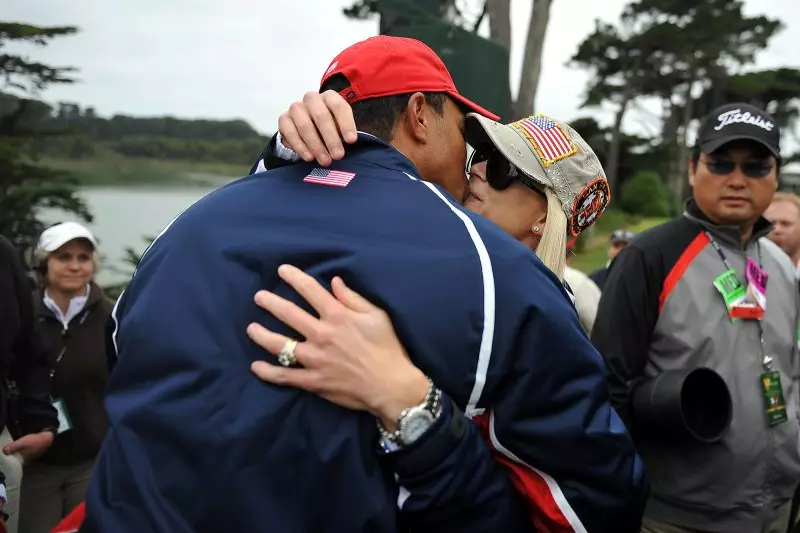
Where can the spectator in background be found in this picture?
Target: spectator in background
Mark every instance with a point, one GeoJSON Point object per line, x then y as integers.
{"type": "Point", "coordinates": [675, 301]}
{"type": "Point", "coordinates": [72, 311]}
{"type": "Point", "coordinates": [584, 290]}
{"type": "Point", "coordinates": [619, 240]}
{"type": "Point", "coordinates": [23, 363]}
{"type": "Point", "coordinates": [784, 213]}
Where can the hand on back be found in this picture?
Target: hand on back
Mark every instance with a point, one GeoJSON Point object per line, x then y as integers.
{"type": "Point", "coordinates": [315, 127]}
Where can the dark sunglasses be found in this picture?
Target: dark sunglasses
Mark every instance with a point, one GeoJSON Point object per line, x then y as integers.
{"type": "Point", "coordinates": [499, 171]}
{"type": "Point", "coordinates": [751, 169]}
{"type": "Point", "coordinates": [479, 155]}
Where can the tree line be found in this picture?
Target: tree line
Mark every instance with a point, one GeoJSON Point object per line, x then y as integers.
{"type": "Point", "coordinates": [79, 133]}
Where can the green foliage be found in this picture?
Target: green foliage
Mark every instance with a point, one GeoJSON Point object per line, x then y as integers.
{"type": "Point", "coordinates": [646, 195]}
{"type": "Point", "coordinates": [227, 151]}
{"type": "Point", "coordinates": [26, 186]}
{"type": "Point", "coordinates": [635, 152]}
{"type": "Point", "coordinates": [109, 168]}
{"type": "Point", "coordinates": [29, 76]}
{"type": "Point", "coordinates": [361, 9]}
{"type": "Point", "coordinates": [593, 253]}
{"type": "Point", "coordinates": [130, 259]}
{"type": "Point", "coordinates": [87, 143]}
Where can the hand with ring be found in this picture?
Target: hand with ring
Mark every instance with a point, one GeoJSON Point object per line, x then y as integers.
{"type": "Point", "coordinates": [351, 356]}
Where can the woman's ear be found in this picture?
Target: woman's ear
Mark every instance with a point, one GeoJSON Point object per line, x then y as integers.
{"type": "Point", "coordinates": [538, 226]}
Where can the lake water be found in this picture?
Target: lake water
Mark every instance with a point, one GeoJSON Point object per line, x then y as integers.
{"type": "Point", "coordinates": [124, 216]}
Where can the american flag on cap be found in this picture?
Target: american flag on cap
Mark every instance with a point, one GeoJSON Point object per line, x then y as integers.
{"type": "Point", "coordinates": [325, 176]}
{"type": "Point", "coordinates": [550, 141]}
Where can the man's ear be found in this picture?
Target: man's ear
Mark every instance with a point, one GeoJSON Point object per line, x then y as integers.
{"type": "Point", "coordinates": [417, 118]}
{"type": "Point", "coordinates": [692, 170]}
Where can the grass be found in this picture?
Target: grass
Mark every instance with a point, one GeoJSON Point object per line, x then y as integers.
{"type": "Point", "coordinates": [592, 249]}
{"type": "Point", "coordinates": [121, 170]}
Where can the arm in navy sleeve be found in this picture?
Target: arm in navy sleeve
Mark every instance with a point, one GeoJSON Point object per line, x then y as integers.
{"type": "Point", "coordinates": [275, 155]}
{"type": "Point", "coordinates": [626, 317]}
{"type": "Point", "coordinates": [450, 483]}
{"type": "Point", "coordinates": [550, 427]}
{"type": "Point", "coordinates": [552, 424]}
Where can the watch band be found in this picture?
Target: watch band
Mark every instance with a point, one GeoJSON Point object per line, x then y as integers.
{"type": "Point", "coordinates": [391, 440]}
{"type": "Point", "coordinates": [432, 450]}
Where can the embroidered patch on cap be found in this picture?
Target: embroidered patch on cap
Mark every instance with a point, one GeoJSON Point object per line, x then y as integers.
{"type": "Point", "coordinates": [549, 140]}
{"type": "Point", "coordinates": [589, 204]}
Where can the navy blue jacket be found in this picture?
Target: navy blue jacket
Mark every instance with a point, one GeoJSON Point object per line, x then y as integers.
{"type": "Point", "coordinates": [197, 443]}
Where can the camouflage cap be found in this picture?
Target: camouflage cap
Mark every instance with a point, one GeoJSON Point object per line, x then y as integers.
{"type": "Point", "coordinates": [551, 154]}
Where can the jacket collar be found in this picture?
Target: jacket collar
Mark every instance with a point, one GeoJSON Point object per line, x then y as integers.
{"type": "Point", "coordinates": [728, 234]}
{"type": "Point", "coordinates": [95, 295]}
{"type": "Point", "coordinates": [367, 147]}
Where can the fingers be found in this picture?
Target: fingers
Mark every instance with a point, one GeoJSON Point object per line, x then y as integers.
{"type": "Point", "coordinates": [350, 298]}
{"type": "Point", "coordinates": [271, 341]}
{"type": "Point", "coordinates": [310, 289]}
{"type": "Point", "coordinates": [301, 115]}
{"type": "Point", "coordinates": [285, 377]}
{"type": "Point", "coordinates": [325, 123]}
{"type": "Point", "coordinates": [343, 115]}
{"type": "Point", "coordinates": [12, 447]}
{"type": "Point", "coordinates": [287, 312]}
{"type": "Point", "coordinates": [290, 137]}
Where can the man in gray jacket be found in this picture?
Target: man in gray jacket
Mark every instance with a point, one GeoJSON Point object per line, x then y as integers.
{"type": "Point", "coordinates": [707, 290]}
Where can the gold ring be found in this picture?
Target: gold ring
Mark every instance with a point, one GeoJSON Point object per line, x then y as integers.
{"type": "Point", "coordinates": [286, 356]}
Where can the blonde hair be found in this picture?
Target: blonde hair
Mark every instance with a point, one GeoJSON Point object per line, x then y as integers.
{"type": "Point", "coordinates": [552, 246]}
{"type": "Point", "coordinates": [781, 196]}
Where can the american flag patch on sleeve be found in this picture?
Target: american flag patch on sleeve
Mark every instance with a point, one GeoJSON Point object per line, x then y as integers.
{"type": "Point", "coordinates": [325, 176]}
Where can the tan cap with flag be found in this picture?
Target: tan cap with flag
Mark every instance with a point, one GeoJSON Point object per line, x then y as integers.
{"type": "Point", "coordinates": [552, 155]}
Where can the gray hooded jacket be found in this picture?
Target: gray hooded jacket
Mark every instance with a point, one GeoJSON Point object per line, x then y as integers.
{"type": "Point", "coordinates": [661, 311]}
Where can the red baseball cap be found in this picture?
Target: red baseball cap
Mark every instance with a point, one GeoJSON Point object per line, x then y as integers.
{"type": "Point", "coordinates": [385, 66]}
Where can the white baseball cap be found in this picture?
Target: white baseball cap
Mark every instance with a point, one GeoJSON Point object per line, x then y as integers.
{"type": "Point", "coordinates": [58, 235]}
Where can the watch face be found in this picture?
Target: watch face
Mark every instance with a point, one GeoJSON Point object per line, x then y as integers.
{"type": "Point", "coordinates": [415, 424]}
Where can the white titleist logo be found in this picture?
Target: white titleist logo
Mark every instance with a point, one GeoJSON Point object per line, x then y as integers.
{"type": "Point", "coordinates": [736, 115]}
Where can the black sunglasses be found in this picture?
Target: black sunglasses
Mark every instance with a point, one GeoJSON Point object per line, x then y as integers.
{"type": "Point", "coordinates": [751, 169]}
{"type": "Point", "coordinates": [499, 171]}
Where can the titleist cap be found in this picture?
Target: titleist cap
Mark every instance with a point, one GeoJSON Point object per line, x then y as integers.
{"type": "Point", "coordinates": [735, 122]}
{"type": "Point", "coordinates": [386, 66]}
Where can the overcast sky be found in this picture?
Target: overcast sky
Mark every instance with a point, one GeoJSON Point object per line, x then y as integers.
{"type": "Point", "coordinates": [251, 58]}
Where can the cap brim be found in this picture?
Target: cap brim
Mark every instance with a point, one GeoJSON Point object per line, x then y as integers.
{"type": "Point", "coordinates": [58, 243]}
{"type": "Point", "coordinates": [712, 146]}
{"type": "Point", "coordinates": [481, 130]}
{"type": "Point", "coordinates": [472, 106]}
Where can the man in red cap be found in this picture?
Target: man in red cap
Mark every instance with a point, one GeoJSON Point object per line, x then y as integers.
{"type": "Point", "coordinates": [198, 443]}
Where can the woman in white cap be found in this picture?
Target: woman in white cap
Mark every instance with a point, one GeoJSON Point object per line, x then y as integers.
{"type": "Point", "coordinates": [72, 311]}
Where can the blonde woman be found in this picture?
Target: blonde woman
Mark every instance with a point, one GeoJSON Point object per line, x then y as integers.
{"type": "Point", "coordinates": [72, 311]}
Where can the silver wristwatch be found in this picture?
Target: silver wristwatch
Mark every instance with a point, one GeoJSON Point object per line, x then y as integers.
{"type": "Point", "coordinates": [414, 421]}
